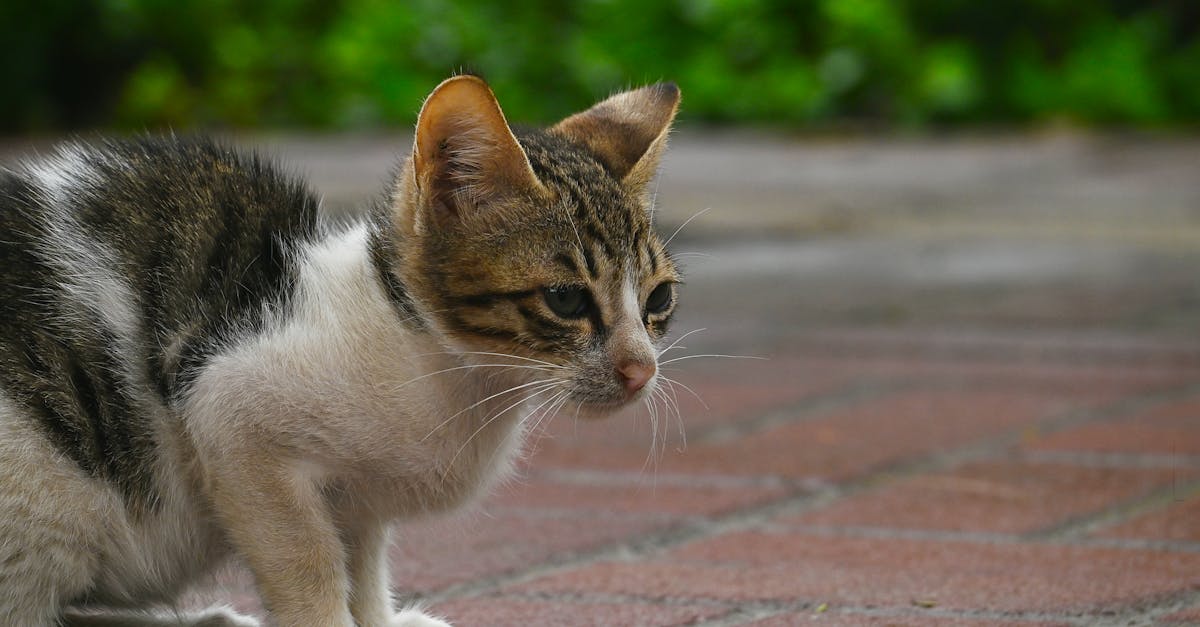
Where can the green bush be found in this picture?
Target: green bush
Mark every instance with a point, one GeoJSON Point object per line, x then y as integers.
{"type": "Point", "coordinates": [367, 63]}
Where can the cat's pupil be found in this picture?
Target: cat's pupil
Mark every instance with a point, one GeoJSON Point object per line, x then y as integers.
{"type": "Point", "coordinates": [659, 299]}
{"type": "Point", "coordinates": [568, 302]}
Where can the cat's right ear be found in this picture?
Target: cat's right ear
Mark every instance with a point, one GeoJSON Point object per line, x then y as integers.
{"type": "Point", "coordinates": [465, 154]}
{"type": "Point", "coordinates": [627, 132]}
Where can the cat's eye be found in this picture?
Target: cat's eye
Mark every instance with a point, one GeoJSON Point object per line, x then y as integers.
{"type": "Point", "coordinates": [568, 302]}
{"type": "Point", "coordinates": [660, 298]}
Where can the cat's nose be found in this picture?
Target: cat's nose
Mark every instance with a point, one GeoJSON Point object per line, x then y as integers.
{"type": "Point", "coordinates": [635, 375]}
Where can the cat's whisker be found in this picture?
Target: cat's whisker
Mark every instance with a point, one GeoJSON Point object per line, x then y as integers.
{"type": "Point", "coordinates": [496, 373]}
{"type": "Point", "coordinates": [679, 339]}
{"type": "Point", "coordinates": [678, 412]}
{"type": "Point", "coordinates": [674, 382]}
{"type": "Point", "coordinates": [662, 441]}
{"type": "Point", "coordinates": [550, 383]}
{"type": "Point", "coordinates": [493, 354]}
{"type": "Point", "coordinates": [685, 223]}
{"type": "Point", "coordinates": [671, 406]}
{"type": "Point", "coordinates": [562, 397]}
{"type": "Point", "coordinates": [550, 412]}
{"type": "Point", "coordinates": [492, 419]}
{"type": "Point", "coordinates": [692, 253]}
{"type": "Point", "coordinates": [653, 434]}
{"type": "Point", "coordinates": [675, 359]}
{"type": "Point", "coordinates": [466, 367]}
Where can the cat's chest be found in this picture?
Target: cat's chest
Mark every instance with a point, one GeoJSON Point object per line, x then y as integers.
{"type": "Point", "coordinates": [344, 384]}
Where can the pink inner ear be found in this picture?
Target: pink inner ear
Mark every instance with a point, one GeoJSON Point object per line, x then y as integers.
{"type": "Point", "coordinates": [465, 151]}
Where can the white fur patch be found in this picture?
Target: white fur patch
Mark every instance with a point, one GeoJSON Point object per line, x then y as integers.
{"type": "Point", "coordinates": [91, 268]}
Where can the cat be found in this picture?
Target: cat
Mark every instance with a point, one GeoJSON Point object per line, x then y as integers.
{"type": "Point", "coordinates": [195, 367]}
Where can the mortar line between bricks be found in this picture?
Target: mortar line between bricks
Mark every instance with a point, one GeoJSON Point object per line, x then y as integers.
{"type": "Point", "coordinates": [766, 608]}
{"type": "Point", "coordinates": [1114, 460]}
{"type": "Point", "coordinates": [985, 537]}
{"type": "Point", "coordinates": [1069, 419]}
{"type": "Point", "coordinates": [795, 501]}
{"type": "Point", "coordinates": [1083, 525]}
{"type": "Point", "coordinates": [615, 598]}
{"type": "Point", "coordinates": [1187, 599]}
{"type": "Point", "coordinates": [759, 611]}
{"type": "Point", "coordinates": [809, 408]}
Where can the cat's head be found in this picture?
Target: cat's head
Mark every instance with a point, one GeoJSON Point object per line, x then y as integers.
{"type": "Point", "coordinates": [540, 244]}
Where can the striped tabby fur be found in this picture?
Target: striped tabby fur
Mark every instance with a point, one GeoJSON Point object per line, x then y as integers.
{"type": "Point", "coordinates": [194, 367]}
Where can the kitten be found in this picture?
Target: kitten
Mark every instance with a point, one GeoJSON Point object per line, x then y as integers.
{"type": "Point", "coordinates": [193, 367]}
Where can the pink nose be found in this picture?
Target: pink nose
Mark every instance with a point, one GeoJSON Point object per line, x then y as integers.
{"type": "Point", "coordinates": [634, 376]}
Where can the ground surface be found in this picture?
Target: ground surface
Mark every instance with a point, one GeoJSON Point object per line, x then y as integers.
{"type": "Point", "coordinates": [980, 403]}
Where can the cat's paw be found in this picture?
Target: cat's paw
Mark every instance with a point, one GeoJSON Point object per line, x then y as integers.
{"type": "Point", "coordinates": [415, 618]}
{"type": "Point", "coordinates": [224, 617]}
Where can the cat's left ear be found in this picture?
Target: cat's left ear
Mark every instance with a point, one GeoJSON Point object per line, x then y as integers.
{"type": "Point", "coordinates": [464, 154]}
{"type": "Point", "coordinates": [628, 131]}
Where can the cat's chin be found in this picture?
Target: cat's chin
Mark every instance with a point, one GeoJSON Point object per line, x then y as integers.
{"type": "Point", "coordinates": [599, 410]}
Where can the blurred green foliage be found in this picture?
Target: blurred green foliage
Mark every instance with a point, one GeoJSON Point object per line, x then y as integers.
{"type": "Point", "coordinates": [366, 63]}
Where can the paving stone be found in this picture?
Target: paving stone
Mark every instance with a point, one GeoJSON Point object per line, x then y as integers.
{"type": "Point", "coordinates": [1170, 429]}
{"type": "Point", "coordinates": [891, 572]}
{"type": "Point", "coordinates": [1001, 496]}
{"type": "Point", "coordinates": [430, 556]}
{"type": "Point", "coordinates": [507, 612]}
{"type": "Point", "coordinates": [635, 494]}
{"type": "Point", "coordinates": [1175, 520]}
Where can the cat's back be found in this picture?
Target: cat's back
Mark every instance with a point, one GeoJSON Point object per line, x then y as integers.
{"type": "Point", "coordinates": [123, 265]}
{"type": "Point", "coordinates": [174, 214]}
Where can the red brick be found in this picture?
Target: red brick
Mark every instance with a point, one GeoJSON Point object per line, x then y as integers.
{"type": "Point", "coordinates": [1178, 520]}
{"type": "Point", "coordinates": [834, 618]}
{"type": "Point", "coordinates": [1172, 429]}
{"type": "Point", "coordinates": [891, 572]}
{"type": "Point", "coordinates": [430, 556]}
{"type": "Point", "coordinates": [843, 443]}
{"type": "Point", "coordinates": [635, 494]}
{"type": "Point", "coordinates": [505, 612]}
{"type": "Point", "coordinates": [993, 496]}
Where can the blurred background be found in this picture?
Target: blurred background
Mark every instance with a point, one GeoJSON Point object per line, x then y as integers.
{"type": "Point", "coordinates": [798, 64]}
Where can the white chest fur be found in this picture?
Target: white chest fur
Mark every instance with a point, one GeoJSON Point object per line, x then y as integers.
{"type": "Point", "coordinates": [348, 392]}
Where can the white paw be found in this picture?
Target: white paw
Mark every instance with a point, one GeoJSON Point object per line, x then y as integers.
{"type": "Point", "coordinates": [415, 618]}
{"type": "Point", "coordinates": [224, 617]}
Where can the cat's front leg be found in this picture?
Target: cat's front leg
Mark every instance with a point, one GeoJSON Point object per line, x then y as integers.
{"type": "Point", "coordinates": [367, 542]}
{"type": "Point", "coordinates": [279, 523]}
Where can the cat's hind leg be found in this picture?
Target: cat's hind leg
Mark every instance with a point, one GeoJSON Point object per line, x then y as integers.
{"type": "Point", "coordinates": [36, 581]}
{"type": "Point", "coordinates": [50, 519]}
